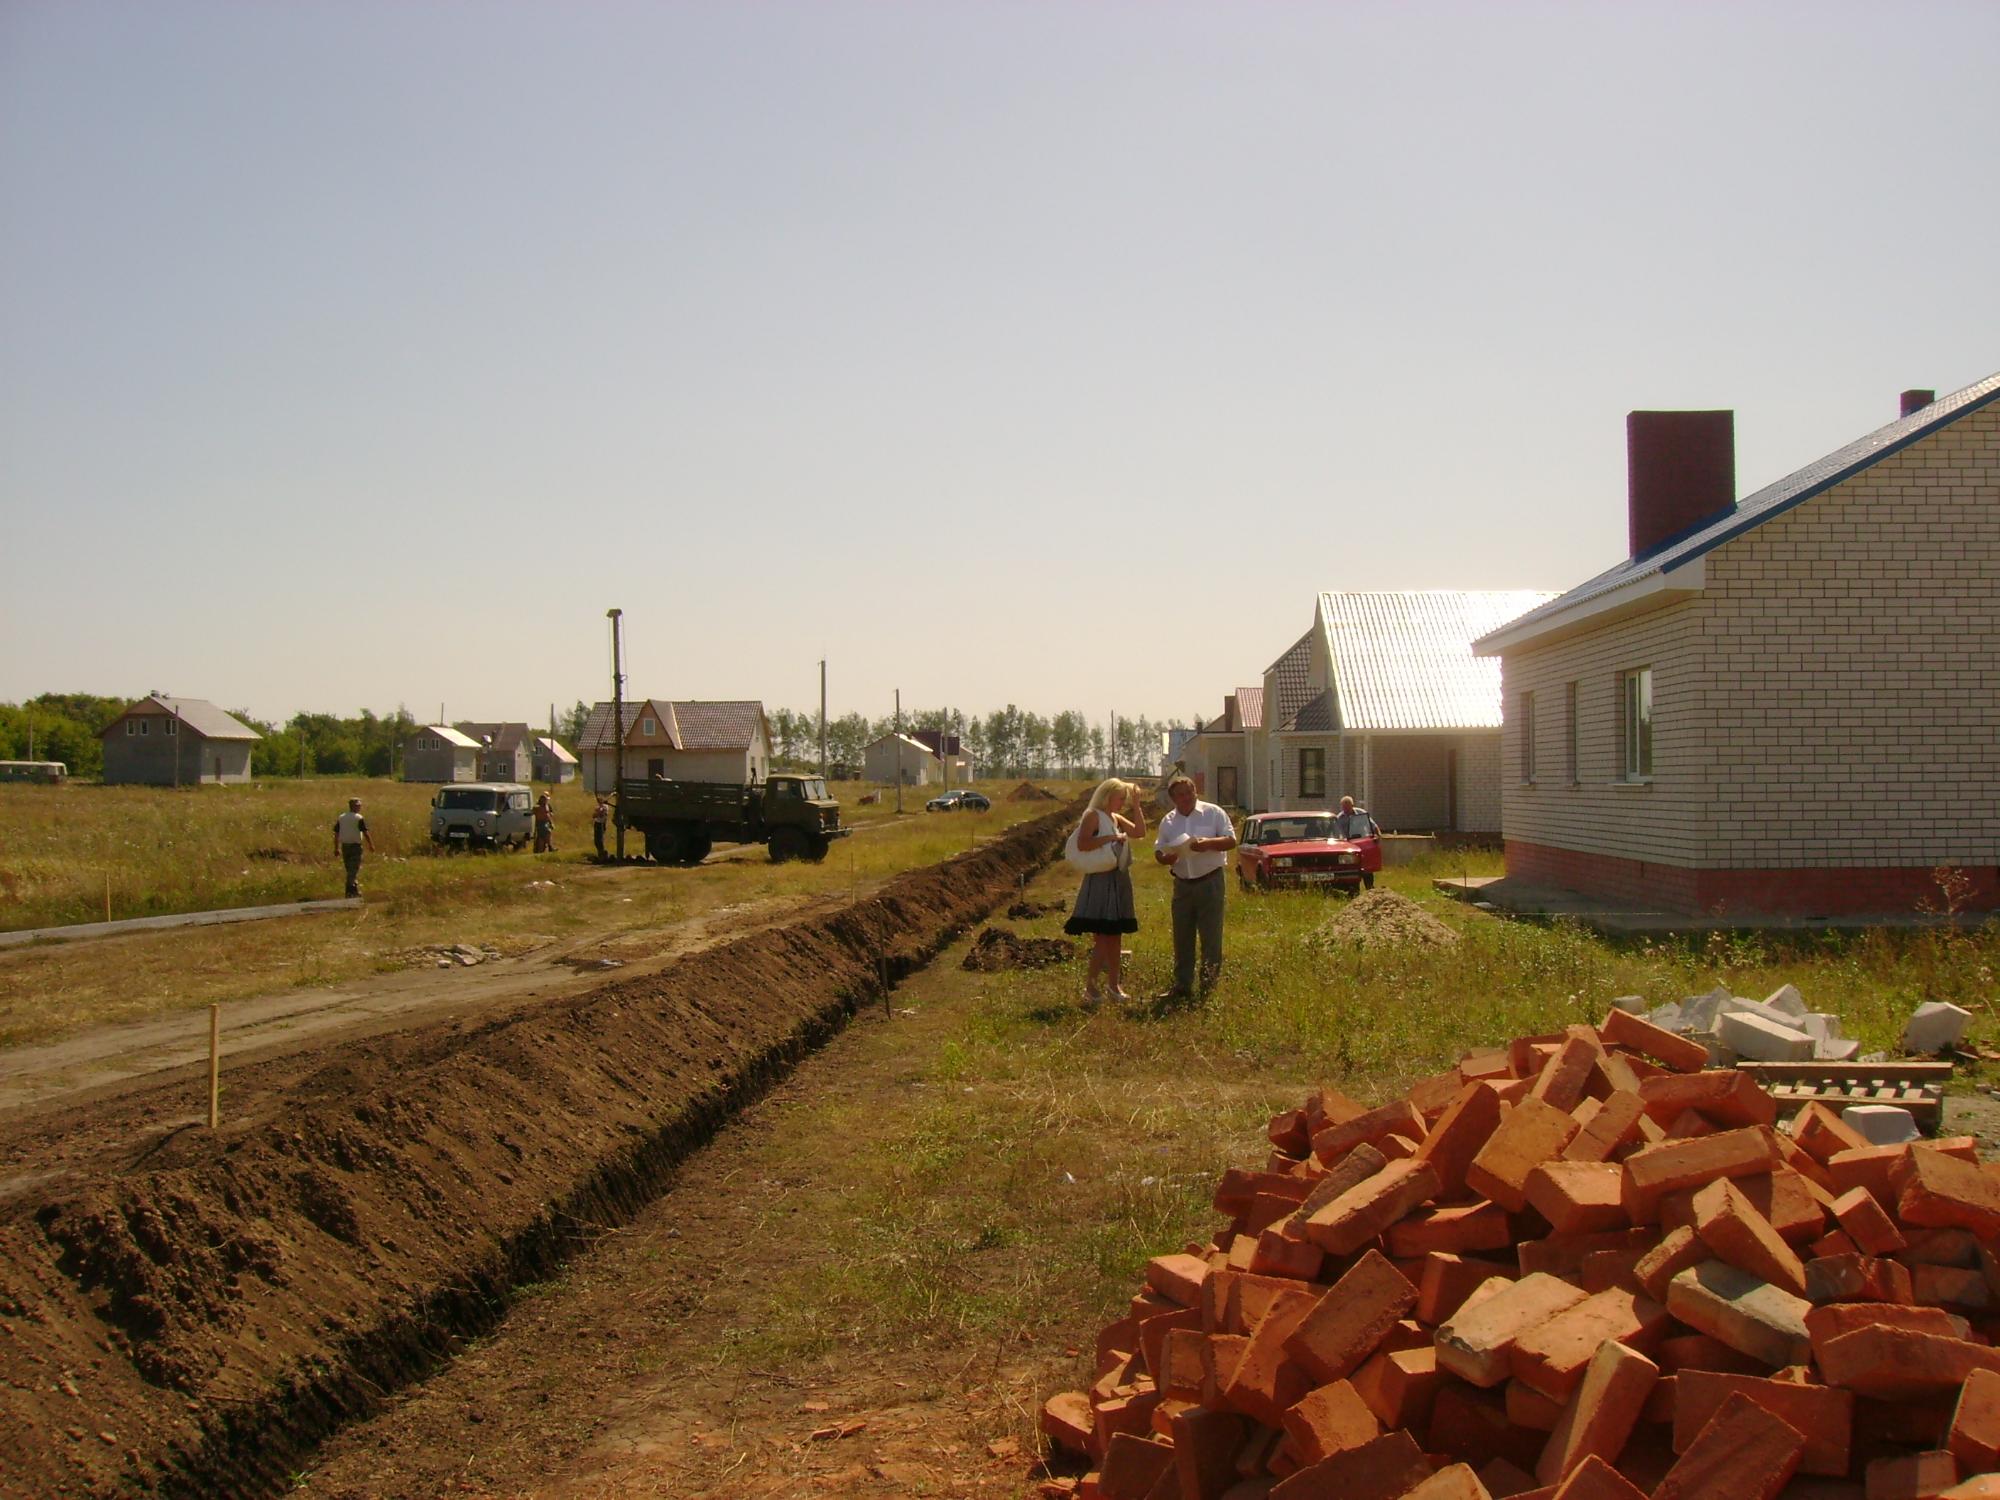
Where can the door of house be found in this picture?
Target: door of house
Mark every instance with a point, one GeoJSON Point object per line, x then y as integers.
{"type": "Point", "coordinates": [656, 768]}
{"type": "Point", "coordinates": [1225, 785]}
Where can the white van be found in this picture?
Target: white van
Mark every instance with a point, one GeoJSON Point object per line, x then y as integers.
{"type": "Point", "coordinates": [483, 815]}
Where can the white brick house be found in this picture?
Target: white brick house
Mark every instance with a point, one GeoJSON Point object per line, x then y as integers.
{"type": "Point", "coordinates": [1789, 705]}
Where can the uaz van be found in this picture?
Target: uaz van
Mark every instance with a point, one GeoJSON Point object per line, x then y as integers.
{"type": "Point", "coordinates": [483, 815]}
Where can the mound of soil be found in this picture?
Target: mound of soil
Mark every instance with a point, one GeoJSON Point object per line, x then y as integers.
{"type": "Point", "coordinates": [1027, 791]}
{"type": "Point", "coordinates": [197, 1309]}
{"type": "Point", "coordinates": [1383, 919]}
{"type": "Point", "coordinates": [1027, 911]}
{"type": "Point", "coordinates": [996, 948]}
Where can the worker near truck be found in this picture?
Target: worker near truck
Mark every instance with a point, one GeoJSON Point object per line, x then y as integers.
{"type": "Point", "coordinates": [545, 825]}
{"type": "Point", "coordinates": [1354, 823]}
{"type": "Point", "coordinates": [350, 836]}
{"type": "Point", "coordinates": [1194, 843]}
{"type": "Point", "coordinates": [600, 818]}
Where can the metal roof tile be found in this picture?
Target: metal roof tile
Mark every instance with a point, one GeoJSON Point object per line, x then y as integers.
{"type": "Point", "coordinates": [1404, 660]}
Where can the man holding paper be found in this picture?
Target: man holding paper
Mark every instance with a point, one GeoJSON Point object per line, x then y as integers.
{"type": "Point", "coordinates": [1194, 843]}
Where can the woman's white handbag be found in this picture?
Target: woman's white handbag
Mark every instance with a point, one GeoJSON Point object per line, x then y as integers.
{"type": "Point", "coordinates": [1098, 861]}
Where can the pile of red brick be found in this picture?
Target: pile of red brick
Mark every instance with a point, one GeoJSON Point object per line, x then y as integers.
{"type": "Point", "coordinates": [1578, 1267]}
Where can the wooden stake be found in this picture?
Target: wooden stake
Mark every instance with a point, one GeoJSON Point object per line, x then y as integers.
{"type": "Point", "coordinates": [214, 1067]}
{"type": "Point", "coordinates": [107, 895]}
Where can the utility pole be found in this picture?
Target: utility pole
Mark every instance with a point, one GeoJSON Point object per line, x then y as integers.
{"type": "Point", "coordinates": [822, 718]}
{"type": "Point", "coordinates": [617, 733]}
{"type": "Point", "coordinates": [899, 752]}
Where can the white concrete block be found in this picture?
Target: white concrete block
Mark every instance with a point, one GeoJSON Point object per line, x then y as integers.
{"type": "Point", "coordinates": [1835, 1049]}
{"type": "Point", "coordinates": [1787, 1000]}
{"type": "Point", "coordinates": [1633, 1004]}
{"type": "Point", "coordinates": [1882, 1124]}
{"type": "Point", "coordinates": [1667, 1017]}
{"type": "Point", "coordinates": [1698, 1011]}
{"type": "Point", "coordinates": [1719, 1056]}
{"type": "Point", "coordinates": [1762, 1039]}
{"type": "Point", "coordinates": [1934, 1026]}
{"type": "Point", "coordinates": [1818, 1025]}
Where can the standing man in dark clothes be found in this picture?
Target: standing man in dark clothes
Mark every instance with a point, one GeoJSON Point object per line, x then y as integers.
{"type": "Point", "coordinates": [599, 819]}
{"type": "Point", "coordinates": [350, 834]}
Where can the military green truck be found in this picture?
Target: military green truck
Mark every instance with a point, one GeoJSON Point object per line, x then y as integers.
{"type": "Point", "coordinates": [681, 821]}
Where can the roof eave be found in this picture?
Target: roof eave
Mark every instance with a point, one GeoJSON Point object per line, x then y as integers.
{"type": "Point", "coordinates": [1641, 595]}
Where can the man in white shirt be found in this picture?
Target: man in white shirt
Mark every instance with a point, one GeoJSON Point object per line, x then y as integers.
{"type": "Point", "coordinates": [1199, 889]}
{"type": "Point", "coordinates": [1354, 823]}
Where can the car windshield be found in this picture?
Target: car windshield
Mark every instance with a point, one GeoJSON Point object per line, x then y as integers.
{"type": "Point", "coordinates": [468, 799]}
{"type": "Point", "coordinates": [1288, 830]}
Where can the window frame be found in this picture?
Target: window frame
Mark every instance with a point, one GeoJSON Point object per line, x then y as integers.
{"type": "Point", "coordinates": [1574, 749]}
{"type": "Point", "coordinates": [1636, 724]}
{"type": "Point", "coordinates": [1312, 773]}
{"type": "Point", "coordinates": [1527, 708]}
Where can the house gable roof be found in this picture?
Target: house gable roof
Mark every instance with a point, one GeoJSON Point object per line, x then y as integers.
{"type": "Point", "coordinates": [1773, 500]}
{"type": "Point", "coordinates": [1250, 707]}
{"type": "Point", "coordinates": [1314, 716]}
{"type": "Point", "coordinates": [1290, 682]}
{"type": "Point", "coordinates": [502, 739]}
{"type": "Point", "coordinates": [201, 716]}
{"type": "Point", "coordinates": [599, 735]}
{"type": "Point", "coordinates": [456, 738]}
{"type": "Point", "coordinates": [689, 724]}
{"type": "Point", "coordinates": [1403, 661]}
{"type": "Point", "coordinates": [908, 743]}
{"type": "Point", "coordinates": [554, 749]}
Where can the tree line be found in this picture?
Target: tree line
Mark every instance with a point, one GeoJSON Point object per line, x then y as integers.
{"type": "Point", "coordinates": [1008, 741]}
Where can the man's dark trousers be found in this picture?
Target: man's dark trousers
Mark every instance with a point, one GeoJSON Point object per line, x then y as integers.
{"type": "Point", "coordinates": [350, 855]}
{"type": "Point", "coordinates": [1198, 908]}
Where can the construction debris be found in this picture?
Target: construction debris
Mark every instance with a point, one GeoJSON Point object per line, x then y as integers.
{"type": "Point", "coordinates": [996, 948]}
{"type": "Point", "coordinates": [1574, 1267]}
{"type": "Point", "coordinates": [1384, 919]}
{"type": "Point", "coordinates": [1780, 1028]}
{"type": "Point", "coordinates": [1935, 1026]}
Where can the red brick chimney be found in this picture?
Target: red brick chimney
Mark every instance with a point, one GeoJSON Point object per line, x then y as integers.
{"type": "Point", "coordinates": [1917, 400]}
{"type": "Point", "coordinates": [1680, 472]}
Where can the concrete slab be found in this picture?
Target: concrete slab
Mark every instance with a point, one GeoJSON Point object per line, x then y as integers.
{"type": "Point", "coordinates": [79, 931]}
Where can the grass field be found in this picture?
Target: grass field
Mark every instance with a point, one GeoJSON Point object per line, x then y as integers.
{"type": "Point", "coordinates": [163, 851]}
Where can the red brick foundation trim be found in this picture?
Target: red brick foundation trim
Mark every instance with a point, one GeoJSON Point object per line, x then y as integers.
{"type": "Point", "coordinates": [1808, 891]}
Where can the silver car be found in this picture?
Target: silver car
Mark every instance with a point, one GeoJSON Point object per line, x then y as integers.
{"type": "Point", "coordinates": [483, 815]}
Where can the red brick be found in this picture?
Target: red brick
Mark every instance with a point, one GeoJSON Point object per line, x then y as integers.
{"type": "Point", "coordinates": [1654, 1171]}
{"type": "Point", "coordinates": [1678, 1053]}
{"type": "Point", "coordinates": [1181, 1364]}
{"type": "Point", "coordinates": [1578, 1197]}
{"type": "Point", "coordinates": [1729, 1224]}
{"type": "Point", "coordinates": [1433, 1095]}
{"type": "Point", "coordinates": [1949, 1286]}
{"type": "Point", "coordinates": [1911, 1476]}
{"type": "Point", "coordinates": [1908, 1424]}
{"type": "Point", "coordinates": [1459, 1135]}
{"type": "Point", "coordinates": [1822, 1414]}
{"type": "Point", "coordinates": [1383, 1469]}
{"type": "Point", "coordinates": [1619, 1072]}
{"type": "Point", "coordinates": [1454, 1482]}
{"type": "Point", "coordinates": [1697, 1351]}
{"type": "Point", "coordinates": [1487, 1062]}
{"type": "Point", "coordinates": [1397, 1117]}
{"type": "Point", "coordinates": [1594, 1479]}
{"type": "Point", "coordinates": [1447, 1280]}
{"type": "Point", "coordinates": [1940, 1247]}
{"type": "Point", "coordinates": [1615, 1124]}
{"type": "Point", "coordinates": [1153, 1333]}
{"type": "Point", "coordinates": [1680, 1249]}
{"type": "Point", "coordinates": [1328, 1420]}
{"type": "Point", "coordinates": [1364, 1211]}
{"type": "Point", "coordinates": [1601, 1412]}
{"type": "Point", "coordinates": [1934, 1190]}
{"type": "Point", "coordinates": [1474, 1345]}
{"type": "Point", "coordinates": [1975, 1423]}
{"type": "Point", "coordinates": [1460, 1227]}
{"type": "Point", "coordinates": [1751, 1316]}
{"type": "Point", "coordinates": [1803, 1162]}
{"type": "Point", "coordinates": [1066, 1421]}
{"type": "Point", "coordinates": [1822, 1133]}
{"type": "Point", "coordinates": [1238, 1187]}
{"type": "Point", "coordinates": [1470, 1424]}
{"type": "Point", "coordinates": [1553, 1356]}
{"type": "Point", "coordinates": [1349, 1323]}
{"type": "Point", "coordinates": [1562, 1079]}
{"type": "Point", "coordinates": [1690, 1123]}
{"type": "Point", "coordinates": [1247, 1298]}
{"type": "Point", "coordinates": [1850, 1278]}
{"type": "Point", "coordinates": [1132, 1465]}
{"type": "Point", "coordinates": [1605, 1269]}
{"type": "Point", "coordinates": [1864, 1221]}
{"type": "Point", "coordinates": [1219, 1358]}
{"type": "Point", "coordinates": [1530, 1134]}
{"type": "Point", "coordinates": [1178, 1277]}
{"type": "Point", "coordinates": [1744, 1453]}
{"type": "Point", "coordinates": [1266, 1379]}
{"type": "Point", "coordinates": [1289, 1133]}
{"type": "Point", "coordinates": [1399, 1386]}
{"type": "Point", "coordinates": [1528, 1408]}
{"type": "Point", "coordinates": [1789, 1201]}
{"type": "Point", "coordinates": [1870, 1167]}
{"type": "Point", "coordinates": [1504, 1480]}
{"type": "Point", "coordinates": [1205, 1448]}
{"type": "Point", "coordinates": [1564, 1254]}
{"type": "Point", "coordinates": [1895, 1364]}
{"type": "Point", "coordinates": [1836, 1318]}
{"type": "Point", "coordinates": [1279, 1253]}
{"type": "Point", "coordinates": [1726, 1096]}
{"type": "Point", "coordinates": [1528, 1055]}
{"type": "Point", "coordinates": [1979, 1487]}
{"type": "Point", "coordinates": [1836, 1243]}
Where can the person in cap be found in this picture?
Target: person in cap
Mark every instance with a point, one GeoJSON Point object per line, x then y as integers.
{"type": "Point", "coordinates": [350, 836]}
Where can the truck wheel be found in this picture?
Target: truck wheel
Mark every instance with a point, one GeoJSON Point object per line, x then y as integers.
{"type": "Point", "coordinates": [662, 845]}
{"type": "Point", "coordinates": [816, 849]}
{"type": "Point", "coordinates": [695, 845]}
{"type": "Point", "coordinates": [788, 843]}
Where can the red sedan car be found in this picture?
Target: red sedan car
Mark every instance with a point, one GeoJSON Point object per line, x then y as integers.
{"type": "Point", "coordinates": [1302, 848]}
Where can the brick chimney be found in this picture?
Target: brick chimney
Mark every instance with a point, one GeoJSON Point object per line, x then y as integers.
{"type": "Point", "coordinates": [1680, 472]}
{"type": "Point", "coordinates": [1917, 400]}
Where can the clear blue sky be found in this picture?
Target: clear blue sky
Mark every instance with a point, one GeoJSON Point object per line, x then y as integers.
{"type": "Point", "coordinates": [361, 353]}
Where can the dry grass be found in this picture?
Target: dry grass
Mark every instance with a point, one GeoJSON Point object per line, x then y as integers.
{"type": "Point", "coordinates": [169, 851]}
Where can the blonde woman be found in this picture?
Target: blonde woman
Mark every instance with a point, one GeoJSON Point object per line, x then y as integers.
{"type": "Point", "coordinates": [1104, 901]}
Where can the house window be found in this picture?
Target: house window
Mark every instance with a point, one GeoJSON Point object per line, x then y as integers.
{"type": "Point", "coordinates": [131, 726]}
{"type": "Point", "coordinates": [647, 727]}
{"type": "Point", "coordinates": [173, 726]}
{"type": "Point", "coordinates": [1527, 736]}
{"type": "Point", "coordinates": [1635, 701]}
{"type": "Point", "coordinates": [1569, 721]}
{"type": "Point", "coordinates": [1312, 773]}
{"type": "Point", "coordinates": [145, 726]}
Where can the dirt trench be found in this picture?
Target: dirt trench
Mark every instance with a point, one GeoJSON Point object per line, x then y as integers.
{"type": "Point", "coordinates": [188, 1313]}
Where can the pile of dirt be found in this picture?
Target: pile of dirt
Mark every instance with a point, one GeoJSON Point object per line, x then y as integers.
{"type": "Point", "coordinates": [1383, 919]}
{"type": "Point", "coordinates": [197, 1308]}
{"type": "Point", "coordinates": [1027, 791]}
{"type": "Point", "coordinates": [1028, 911]}
{"type": "Point", "coordinates": [996, 948]}
{"type": "Point", "coordinates": [1626, 1283]}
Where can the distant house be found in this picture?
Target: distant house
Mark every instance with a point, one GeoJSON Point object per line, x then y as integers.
{"type": "Point", "coordinates": [1221, 756]}
{"type": "Point", "coordinates": [438, 752]}
{"type": "Point", "coordinates": [163, 741]}
{"type": "Point", "coordinates": [1785, 705]}
{"type": "Point", "coordinates": [506, 751]}
{"type": "Point", "coordinates": [553, 763]}
{"type": "Point", "coordinates": [899, 758]}
{"type": "Point", "coordinates": [680, 739]}
{"type": "Point", "coordinates": [954, 764]}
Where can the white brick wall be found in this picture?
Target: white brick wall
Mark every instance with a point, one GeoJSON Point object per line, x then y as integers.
{"type": "Point", "coordinates": [1831, 698]}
